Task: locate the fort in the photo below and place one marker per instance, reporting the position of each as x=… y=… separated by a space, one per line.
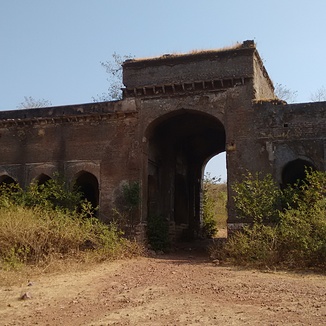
x=177 y=112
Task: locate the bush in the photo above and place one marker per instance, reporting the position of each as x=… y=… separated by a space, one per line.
x=210 y=206
x=257 y=198
x=32 y=236
x=158 y=233
x=48 y=221
x=53 y=195
x=297 y=236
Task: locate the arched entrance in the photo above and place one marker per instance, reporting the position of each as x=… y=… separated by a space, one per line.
x=87 y=184
x=179 y=146
x=295 y=171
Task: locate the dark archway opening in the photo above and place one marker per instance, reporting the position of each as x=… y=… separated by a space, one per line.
x=7 y=180
x=179 y=147
x=294 y=172
x=42 y=179
x=87 y=184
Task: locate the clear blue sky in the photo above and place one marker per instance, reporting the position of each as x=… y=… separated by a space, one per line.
x=53 y=49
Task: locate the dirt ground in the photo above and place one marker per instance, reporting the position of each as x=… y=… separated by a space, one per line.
x=184 y=288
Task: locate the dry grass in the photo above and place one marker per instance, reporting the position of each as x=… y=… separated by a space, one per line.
x=194 y=52
x=38 y=241
x=83 y=261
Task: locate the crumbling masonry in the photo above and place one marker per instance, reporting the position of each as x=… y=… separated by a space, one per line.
x=177 y=112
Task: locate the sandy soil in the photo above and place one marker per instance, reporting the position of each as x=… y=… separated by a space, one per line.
x=179 y=289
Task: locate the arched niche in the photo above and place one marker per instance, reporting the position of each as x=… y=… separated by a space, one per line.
x=6 y=179
x=295 y=171
x=42 y=179
x=87 y=184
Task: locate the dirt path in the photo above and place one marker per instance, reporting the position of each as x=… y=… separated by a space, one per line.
x=167 y=290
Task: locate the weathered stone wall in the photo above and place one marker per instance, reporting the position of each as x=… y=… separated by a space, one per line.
x=290 y=132
x=101 y=139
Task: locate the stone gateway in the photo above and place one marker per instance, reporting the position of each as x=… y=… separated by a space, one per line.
x=177 y=112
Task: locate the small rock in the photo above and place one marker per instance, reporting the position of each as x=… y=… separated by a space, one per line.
x=216 y=262
x=25 y=296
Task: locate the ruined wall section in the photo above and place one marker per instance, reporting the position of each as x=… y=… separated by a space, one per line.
x=290 y=132
x=99 y=138
x=272 y=134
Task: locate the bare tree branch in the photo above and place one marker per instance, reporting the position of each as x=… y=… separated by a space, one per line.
x=31 y=103
x=113 y=68
x=284 y=93
x=319 y=95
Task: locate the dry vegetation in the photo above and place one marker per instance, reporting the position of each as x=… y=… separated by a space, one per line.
x=48 y=227
x=194 y=52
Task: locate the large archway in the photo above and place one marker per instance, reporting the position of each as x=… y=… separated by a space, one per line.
x=179 y=146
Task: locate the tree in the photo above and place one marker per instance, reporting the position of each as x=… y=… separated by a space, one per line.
x=284 y=93
x=319 y=95
x=31 y=103
x=113 y=67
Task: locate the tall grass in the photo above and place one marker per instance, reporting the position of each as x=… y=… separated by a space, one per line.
x=50 y=222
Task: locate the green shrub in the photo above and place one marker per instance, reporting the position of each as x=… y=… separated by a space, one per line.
x=303 y=228
x=296 y=238
x=257 y=198
x=125 y=213
x=210 y=206
x=256 y=245
x=131 y=194
x=158 y=233
x=54 y=194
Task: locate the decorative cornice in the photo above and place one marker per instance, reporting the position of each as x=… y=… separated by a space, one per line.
x=185 y=88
